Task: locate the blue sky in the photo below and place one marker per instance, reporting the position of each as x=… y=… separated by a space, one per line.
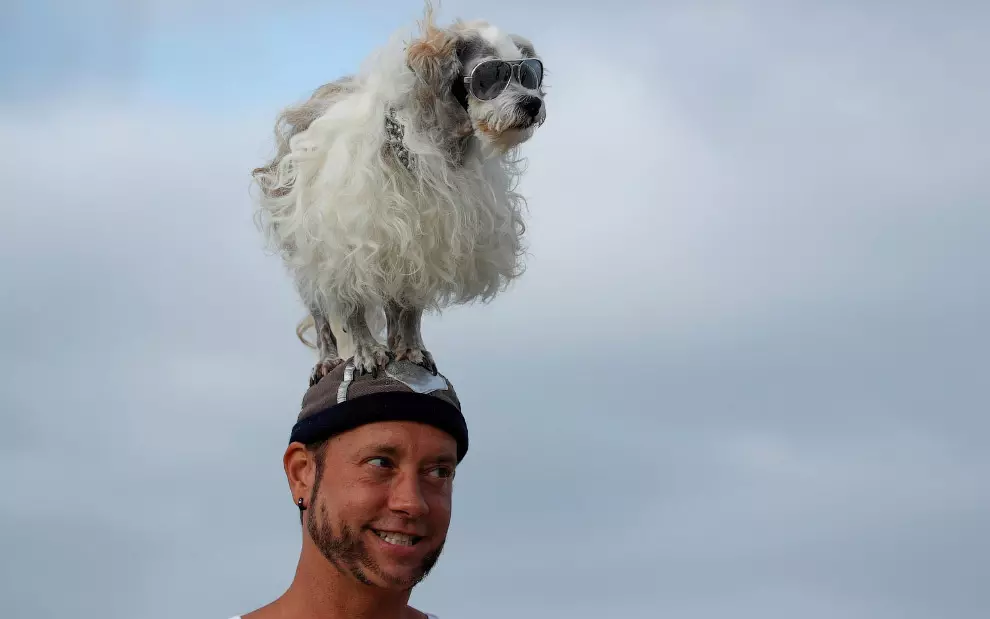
x=253 y=63
x=242 y=60
x=760 y=231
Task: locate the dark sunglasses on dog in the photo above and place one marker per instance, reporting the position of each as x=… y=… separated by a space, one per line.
x=490 y=77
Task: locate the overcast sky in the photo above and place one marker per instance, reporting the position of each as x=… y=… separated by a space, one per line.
x=745 y=374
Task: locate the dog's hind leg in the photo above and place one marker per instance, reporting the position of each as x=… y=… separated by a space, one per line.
x=369 y=354
x=404 y=336
x=392 y=311
x=326 y=344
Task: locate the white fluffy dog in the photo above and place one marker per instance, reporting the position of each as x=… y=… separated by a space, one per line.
x=392 y=191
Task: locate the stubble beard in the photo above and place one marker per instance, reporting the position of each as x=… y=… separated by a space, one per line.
x=349 y=553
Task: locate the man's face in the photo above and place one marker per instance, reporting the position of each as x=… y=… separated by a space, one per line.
x=381 y=508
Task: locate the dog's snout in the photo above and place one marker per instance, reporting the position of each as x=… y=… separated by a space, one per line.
x=531 y=105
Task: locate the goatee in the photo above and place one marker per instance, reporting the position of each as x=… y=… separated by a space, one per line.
x=348 y=553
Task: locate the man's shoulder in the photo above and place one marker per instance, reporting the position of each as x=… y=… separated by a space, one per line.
x=428 y=616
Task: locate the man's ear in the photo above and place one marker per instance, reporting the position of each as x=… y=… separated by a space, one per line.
x=300 y=471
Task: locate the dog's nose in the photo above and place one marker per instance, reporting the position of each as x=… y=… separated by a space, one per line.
x=531 y=105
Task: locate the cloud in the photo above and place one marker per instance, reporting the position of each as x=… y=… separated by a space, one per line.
x=743 y=373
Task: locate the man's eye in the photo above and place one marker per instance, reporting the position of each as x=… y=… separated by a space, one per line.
x=380 y=461
x=442 y=472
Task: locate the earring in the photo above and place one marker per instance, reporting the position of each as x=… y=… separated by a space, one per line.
x=300 y=504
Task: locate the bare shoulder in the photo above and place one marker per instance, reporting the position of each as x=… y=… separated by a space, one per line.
x=412 y=613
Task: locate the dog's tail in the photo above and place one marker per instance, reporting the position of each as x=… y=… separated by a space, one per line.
x=345 y=343
x=305 y=325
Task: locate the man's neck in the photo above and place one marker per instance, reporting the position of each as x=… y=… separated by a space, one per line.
x=321 y=591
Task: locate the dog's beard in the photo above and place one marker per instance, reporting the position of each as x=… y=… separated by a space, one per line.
x=349 y=554
x=501 y=126
x=499 y=142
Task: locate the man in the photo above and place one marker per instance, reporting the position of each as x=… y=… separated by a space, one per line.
x=370 y=464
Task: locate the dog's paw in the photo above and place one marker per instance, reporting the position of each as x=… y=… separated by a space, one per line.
x=370 y=358
x=419 y=356
x=323 y=368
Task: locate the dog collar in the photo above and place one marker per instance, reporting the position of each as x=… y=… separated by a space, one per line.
x=394 y=135
x=395 y=139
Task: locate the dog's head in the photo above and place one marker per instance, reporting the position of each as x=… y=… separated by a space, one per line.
x=489 y=79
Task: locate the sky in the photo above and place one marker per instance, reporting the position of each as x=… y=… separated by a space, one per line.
x=744 y=374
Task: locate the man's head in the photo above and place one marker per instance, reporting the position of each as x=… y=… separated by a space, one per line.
x=375 y=472
x=377 y=499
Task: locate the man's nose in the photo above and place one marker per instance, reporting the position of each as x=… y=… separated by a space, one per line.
x=407 y=496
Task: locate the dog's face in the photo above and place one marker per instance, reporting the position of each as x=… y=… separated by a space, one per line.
x=493 y=77
x=503 y=115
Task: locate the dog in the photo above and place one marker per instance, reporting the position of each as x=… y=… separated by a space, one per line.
x=392 y=191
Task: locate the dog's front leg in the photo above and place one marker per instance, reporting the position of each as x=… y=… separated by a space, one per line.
x=326 y=344
x=369 y=355
x=404 y=336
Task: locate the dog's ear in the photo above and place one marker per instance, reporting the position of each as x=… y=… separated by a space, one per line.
x=524 y=45
x=436 y=58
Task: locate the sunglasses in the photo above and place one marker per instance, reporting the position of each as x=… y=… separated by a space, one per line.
x=490 y=77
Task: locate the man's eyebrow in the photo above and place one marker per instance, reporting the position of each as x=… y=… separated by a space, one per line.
x=386 y=449
x=445 y=459
x=382 y=448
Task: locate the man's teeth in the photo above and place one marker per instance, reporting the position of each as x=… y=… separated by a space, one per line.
x=399 y=539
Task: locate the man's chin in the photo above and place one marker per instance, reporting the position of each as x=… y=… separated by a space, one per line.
x=395 y=577
x=401 y=567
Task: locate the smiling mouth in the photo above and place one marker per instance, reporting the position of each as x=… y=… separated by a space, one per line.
x=398 y=539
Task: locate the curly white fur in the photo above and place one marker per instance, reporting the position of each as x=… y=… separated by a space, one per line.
x=356 y=230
